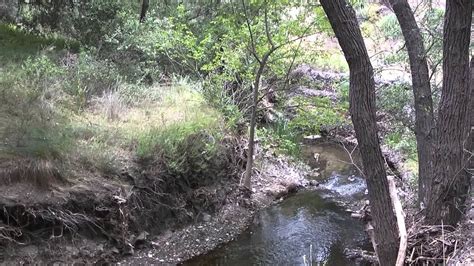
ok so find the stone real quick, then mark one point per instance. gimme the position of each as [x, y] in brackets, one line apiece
[140, 239]
[206, 217]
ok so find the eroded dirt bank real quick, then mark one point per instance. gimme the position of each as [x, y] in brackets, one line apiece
[99, 219]
[275, 179]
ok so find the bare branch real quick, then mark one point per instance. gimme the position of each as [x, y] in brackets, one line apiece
[252, 39]
[267, 30]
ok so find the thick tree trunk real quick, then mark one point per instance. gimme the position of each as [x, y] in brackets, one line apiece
[424, 121]
[362, 107]
[145, 5]
[450, 184]
[470, 138]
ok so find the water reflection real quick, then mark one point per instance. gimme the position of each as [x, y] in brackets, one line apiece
[330, 159]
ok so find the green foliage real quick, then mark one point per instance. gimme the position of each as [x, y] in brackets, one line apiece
[314, 113]
[404, 141]
[397, 100]
[99, 155]
[181, 112]
[389, 26]
[281, 138]
[89, 22]
[170, 40]
[343, 92]
[430, 21]
[367, 11]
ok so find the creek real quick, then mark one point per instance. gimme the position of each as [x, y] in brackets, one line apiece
[312, 225]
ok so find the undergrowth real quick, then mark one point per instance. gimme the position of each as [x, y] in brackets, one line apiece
[72, 108]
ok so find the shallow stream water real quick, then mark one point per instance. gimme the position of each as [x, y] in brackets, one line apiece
[312, 225]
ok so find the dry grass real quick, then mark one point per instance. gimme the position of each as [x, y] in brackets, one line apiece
[177, 105]
[40, 172]
[112, 105]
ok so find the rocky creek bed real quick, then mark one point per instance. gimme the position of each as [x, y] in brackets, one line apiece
[261, 230]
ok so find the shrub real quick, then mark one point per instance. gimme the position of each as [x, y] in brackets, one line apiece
[397, 100]
[403, 141]
[86, 77]
[325, 60]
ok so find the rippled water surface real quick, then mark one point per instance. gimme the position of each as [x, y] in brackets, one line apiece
[283, 234]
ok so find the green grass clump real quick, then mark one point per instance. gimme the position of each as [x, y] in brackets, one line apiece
[181, 114]
[281, 138]
[32, 121]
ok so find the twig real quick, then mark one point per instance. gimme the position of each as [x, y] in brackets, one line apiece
[412, 253]
[351, 158]
[442, 236]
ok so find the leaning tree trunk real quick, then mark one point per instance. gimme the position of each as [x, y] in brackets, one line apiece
[362, 108]
[450, 184]
[424, 121]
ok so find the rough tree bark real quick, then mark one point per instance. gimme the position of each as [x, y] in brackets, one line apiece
[450, 184]
[470, 139]
[145, 5]
[362, 108]
[424, 120]
[470, 151]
